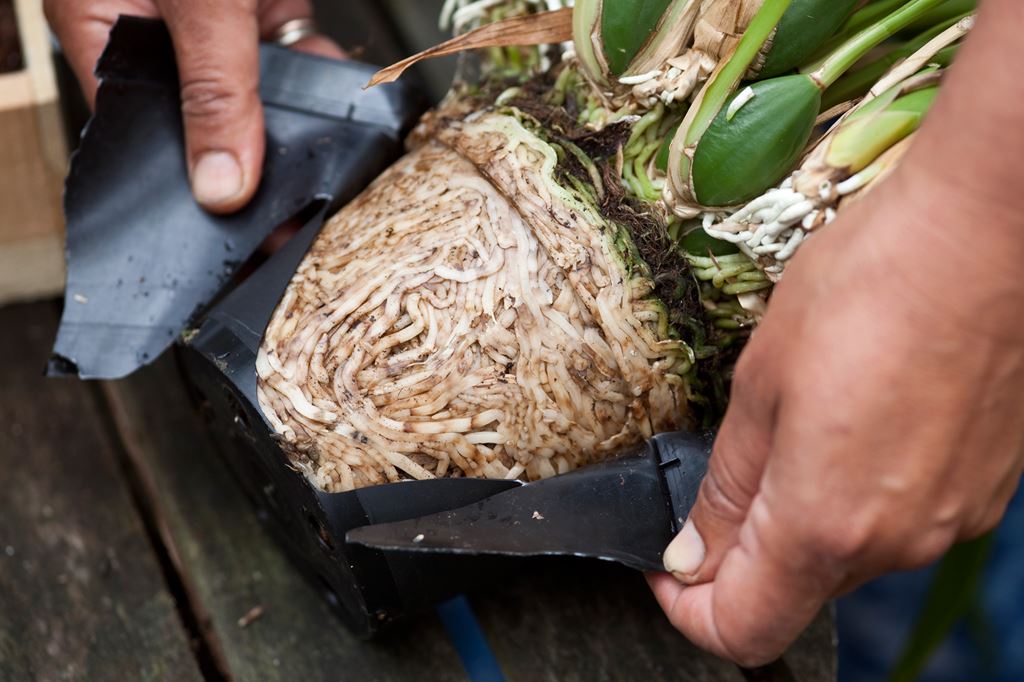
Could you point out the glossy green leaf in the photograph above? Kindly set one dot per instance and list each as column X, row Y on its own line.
column 625, row 27
column 803, row 29
column 871, row 13
column 740, row 157
column 952, row 593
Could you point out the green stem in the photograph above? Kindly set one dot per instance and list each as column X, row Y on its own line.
column 646, row 121
column 948, row 10
column 827, row 72
column 869, row 15
column 754, row 38
column 857, row 82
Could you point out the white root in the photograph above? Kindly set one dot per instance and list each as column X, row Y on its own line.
column 465, row 316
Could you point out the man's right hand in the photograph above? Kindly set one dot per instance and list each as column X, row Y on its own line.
column 216, row 43
column 877, row 414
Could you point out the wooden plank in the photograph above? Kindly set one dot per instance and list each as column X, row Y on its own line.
column 36, row 49
column 31, row 268
column 81, row 592
column 230, row 565
column 30, row 187
column 582, row 620
column 815, row 654
column 33, row 159
column 590, row 621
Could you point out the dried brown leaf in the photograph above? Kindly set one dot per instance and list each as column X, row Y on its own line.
column 530, row 29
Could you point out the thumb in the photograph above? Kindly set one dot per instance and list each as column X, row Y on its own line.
column 216, row 43
column 733, row 479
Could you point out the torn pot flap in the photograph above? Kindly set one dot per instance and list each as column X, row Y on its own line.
column 143, row 259
column 626, row 509
column 230, row 332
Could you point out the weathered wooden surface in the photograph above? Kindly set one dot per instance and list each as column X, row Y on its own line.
column 229, row 565
column 81, row 593
column 583, row 620
column 815, row 656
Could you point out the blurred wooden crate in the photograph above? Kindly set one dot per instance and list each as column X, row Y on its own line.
column 33, row 160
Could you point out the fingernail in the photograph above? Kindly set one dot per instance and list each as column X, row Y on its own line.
column 685, row 554
column 216, row 178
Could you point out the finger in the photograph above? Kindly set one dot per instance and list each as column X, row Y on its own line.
column 276, row 13
column 216, row 44
column 322, row 46
column 82, row 29
column 757, row 604
column 732, row 481
column 666, row 589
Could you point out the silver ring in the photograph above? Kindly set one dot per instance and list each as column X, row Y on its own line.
column 291, row 32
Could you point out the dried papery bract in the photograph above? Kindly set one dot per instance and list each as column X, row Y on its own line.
column 623, row 39
column 919, row 59
column 717, row 29
column 721, row 24
column 529, row 29
column 467, row 315
column 669, row 39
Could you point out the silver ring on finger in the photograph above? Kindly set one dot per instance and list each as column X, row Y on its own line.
column 293, row 31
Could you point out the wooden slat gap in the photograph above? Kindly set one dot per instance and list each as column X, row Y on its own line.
column 205, row 645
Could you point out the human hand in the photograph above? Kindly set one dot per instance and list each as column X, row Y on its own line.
column 216, row 44
column 877, row 417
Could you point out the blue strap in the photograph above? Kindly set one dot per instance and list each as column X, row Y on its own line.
column 469, row 641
